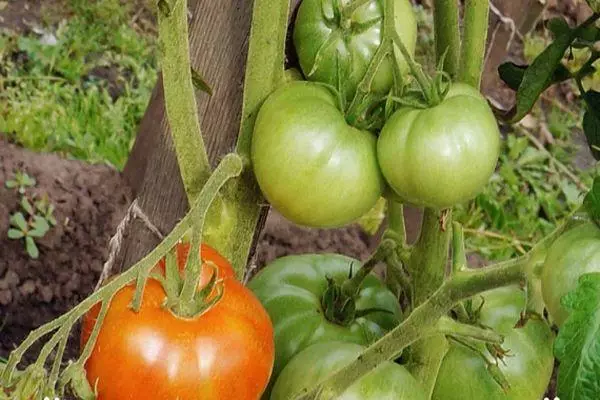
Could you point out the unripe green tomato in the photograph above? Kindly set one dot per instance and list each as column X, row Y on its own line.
column 346, row 46
column 291, row 289
column 527, row 368
column 573, row 254
column 441, row 156
column 313, row 167
column 389, row 381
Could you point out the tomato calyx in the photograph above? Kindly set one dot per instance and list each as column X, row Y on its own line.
column 204, row 298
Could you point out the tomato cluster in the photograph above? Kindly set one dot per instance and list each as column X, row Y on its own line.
column 319, row 171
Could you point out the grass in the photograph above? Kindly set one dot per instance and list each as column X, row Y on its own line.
column 54, row 95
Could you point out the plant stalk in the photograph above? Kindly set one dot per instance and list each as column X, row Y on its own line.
column 476, row 21
column 180, row 99
column 447, row 35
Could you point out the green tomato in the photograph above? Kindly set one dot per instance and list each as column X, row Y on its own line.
column 313, row 167
column 291, row 290
column 389, row 381
column 575, row 253
column 444, row 155
column 345, row 46
column 527, row 368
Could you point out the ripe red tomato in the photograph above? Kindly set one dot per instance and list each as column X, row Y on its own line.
column 225, row 353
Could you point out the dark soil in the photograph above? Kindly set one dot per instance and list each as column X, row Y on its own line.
column 90, row 201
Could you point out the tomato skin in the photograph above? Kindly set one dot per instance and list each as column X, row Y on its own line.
column 573, row 254
column 440, row 156
column 290, row 289
column 389, row 381
column 313, row 167
column 527, row 368
column 316, row 24
column 225, row 353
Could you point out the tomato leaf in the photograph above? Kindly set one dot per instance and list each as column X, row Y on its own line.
column 577, row 346
column 591, row 121
column 371, row 221
column 512, row 74
column 540, row 73
column 592, row 201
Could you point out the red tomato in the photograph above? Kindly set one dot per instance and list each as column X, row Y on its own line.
column 225, row 353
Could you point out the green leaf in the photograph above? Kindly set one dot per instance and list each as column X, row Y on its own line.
column 577, row 346
column 594, row 5
column 40, row 227
column 26, row 205
column 512, row 74
column 559, row 27
column 372, row 220
column 31, row 248
column 539, row 75
column 27, row 180
column 10, row 184
column 591, row 202
column 15, row 234
column 200, row 83
column 591, row 121
column 18, row 220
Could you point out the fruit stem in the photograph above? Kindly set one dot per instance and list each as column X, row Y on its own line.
column 474, row 42
column 351, row 286
column 459, row 258
column 449, row 326
column 447, row 35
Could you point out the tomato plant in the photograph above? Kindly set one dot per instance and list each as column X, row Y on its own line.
column 389, row 381
column 226, row 352
column 526, row 368
column 293, row 291
column 313, row 167
column 336, row 47
column 575, row 253
column 440, row 156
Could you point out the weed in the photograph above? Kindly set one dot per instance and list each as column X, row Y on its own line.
column 36, row 215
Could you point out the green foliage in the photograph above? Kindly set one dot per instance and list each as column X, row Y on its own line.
column 577, row 346
column 592, row 201
column 35, row 218
column 80, row 88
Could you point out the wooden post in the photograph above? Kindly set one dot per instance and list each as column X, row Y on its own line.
column 218, row 41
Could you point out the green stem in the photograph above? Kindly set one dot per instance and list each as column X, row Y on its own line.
column 447, row 35
column 351, row 286
column 421, row 323
column 474, row 41
column 396, row 220
column 229, row 167
column 180, row 99
column 449, row 326
column 264, row 72
column 416, row 70
column 459, row 258
column 429, row 256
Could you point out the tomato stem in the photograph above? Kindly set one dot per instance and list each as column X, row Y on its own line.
column 396, row 223
column 348, row 10
column 449, row 326
column 459, row 258
column 180, row 99
column 447, row 35
column 474, row 41
column 351, row 287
